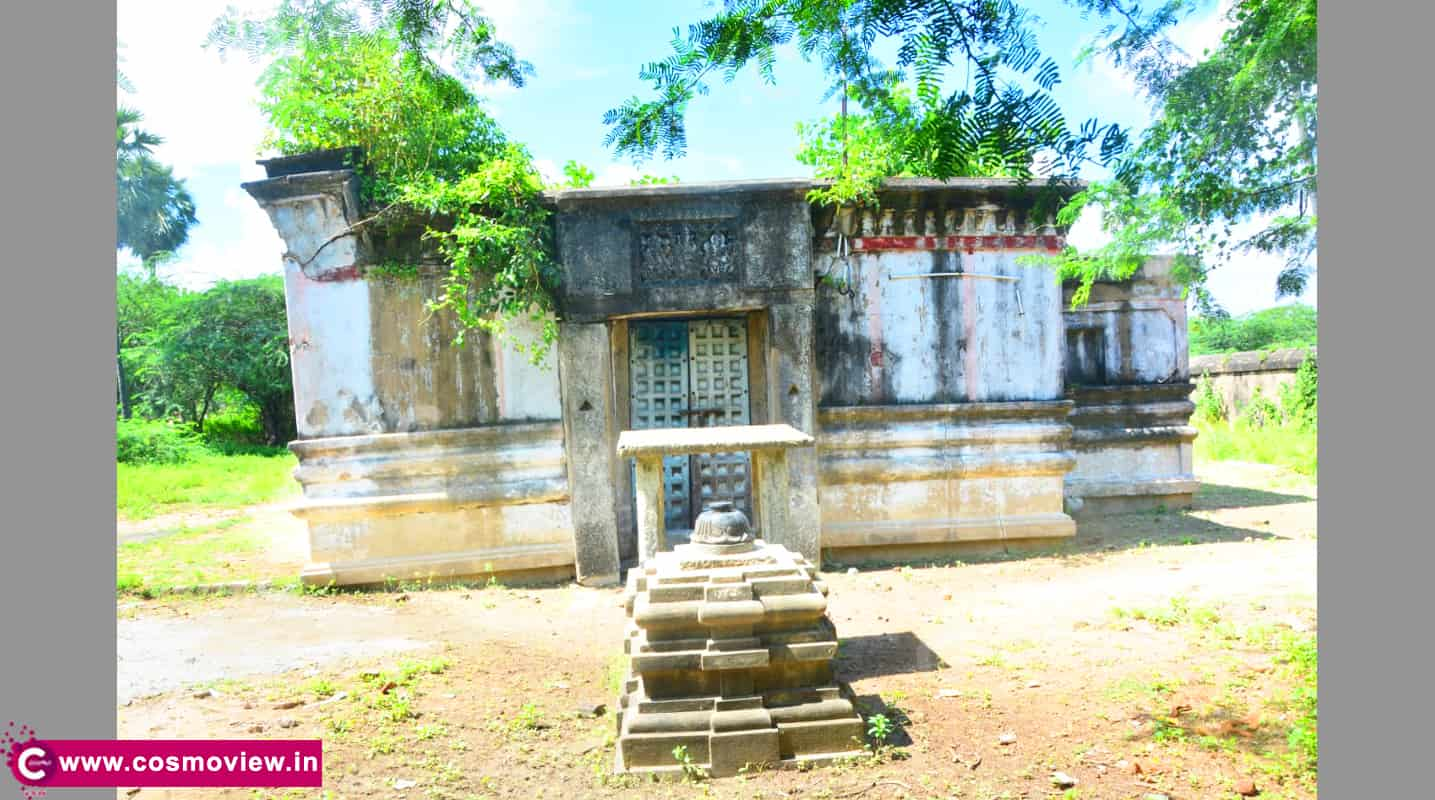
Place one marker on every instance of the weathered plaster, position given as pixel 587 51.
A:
pixel 723 250
pixel 588 428
pixel 935 391
pixel 942 474
pixel 409 467
pixel 454 503
pixel 940 339
pixel 1140 325
pixel 1127 372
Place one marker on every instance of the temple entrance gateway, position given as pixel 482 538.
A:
pixel 693 373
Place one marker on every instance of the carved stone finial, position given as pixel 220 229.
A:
pixel 722 524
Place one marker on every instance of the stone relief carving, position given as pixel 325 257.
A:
pixel 676 253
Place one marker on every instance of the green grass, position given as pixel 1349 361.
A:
pixel 1283 446
pixel 211 554
pixel 1299 657
pixel 147 490
pixel 1177 611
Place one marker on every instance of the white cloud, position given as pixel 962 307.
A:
pixel 1112 77
pixel 534 27
pixel 1087 234
pixel 248 245
pixel 549 169
pixel 203 107
pixel 1196 36
pixel 617 173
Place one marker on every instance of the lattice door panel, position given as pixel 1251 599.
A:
pixel 658 395
pixel 718 395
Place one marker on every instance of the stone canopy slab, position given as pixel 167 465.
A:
pixel 728 439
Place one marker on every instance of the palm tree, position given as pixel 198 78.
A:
pixel 153 209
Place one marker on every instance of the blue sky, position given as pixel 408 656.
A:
pixel 586 56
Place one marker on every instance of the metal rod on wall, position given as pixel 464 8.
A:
pixel 1020 311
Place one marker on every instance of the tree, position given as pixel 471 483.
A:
pixel 145 307
pixel 408 118
pixel 371 74
pixel 154 209
pixel 234 334
pixel 1286 326
pixel 431 31
pixel 856 151
pixel 1002 117
pixel 1234 138
pixel 191 353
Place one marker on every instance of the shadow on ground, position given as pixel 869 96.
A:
pixel 880 654
pixel 1096 535
pixel 869 705
pixel 1166 529
pixel 1215 495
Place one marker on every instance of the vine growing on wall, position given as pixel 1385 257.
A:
pixel 370 76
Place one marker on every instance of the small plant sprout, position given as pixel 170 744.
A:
pixel 529 717
pixel 691 771
pixel 879 728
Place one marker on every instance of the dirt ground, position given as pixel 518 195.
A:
pixel 1142 660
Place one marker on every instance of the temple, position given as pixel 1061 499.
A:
pixel 954 399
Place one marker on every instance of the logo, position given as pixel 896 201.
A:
pixel 31 761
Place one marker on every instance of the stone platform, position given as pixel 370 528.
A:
pixel 730 654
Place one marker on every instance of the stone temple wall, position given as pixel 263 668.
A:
pixel 1127 371
pixel 931 359
pixel 940 350
pixel 418 458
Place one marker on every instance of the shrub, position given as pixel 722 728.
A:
pixel 1298 399
pixel 1283 445
pixel 154 442
pixel 237 424
pixel 1260 411
pixel 1209 406
pixel 430 152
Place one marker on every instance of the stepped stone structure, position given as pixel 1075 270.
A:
pixel 731 656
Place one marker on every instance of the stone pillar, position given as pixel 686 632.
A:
pixel 792 385
pixel 652 533
pixel 774 490
pixel 586 377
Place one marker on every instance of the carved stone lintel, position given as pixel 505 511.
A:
pixel 687 252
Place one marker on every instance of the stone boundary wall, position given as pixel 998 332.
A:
pixel 1237 376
